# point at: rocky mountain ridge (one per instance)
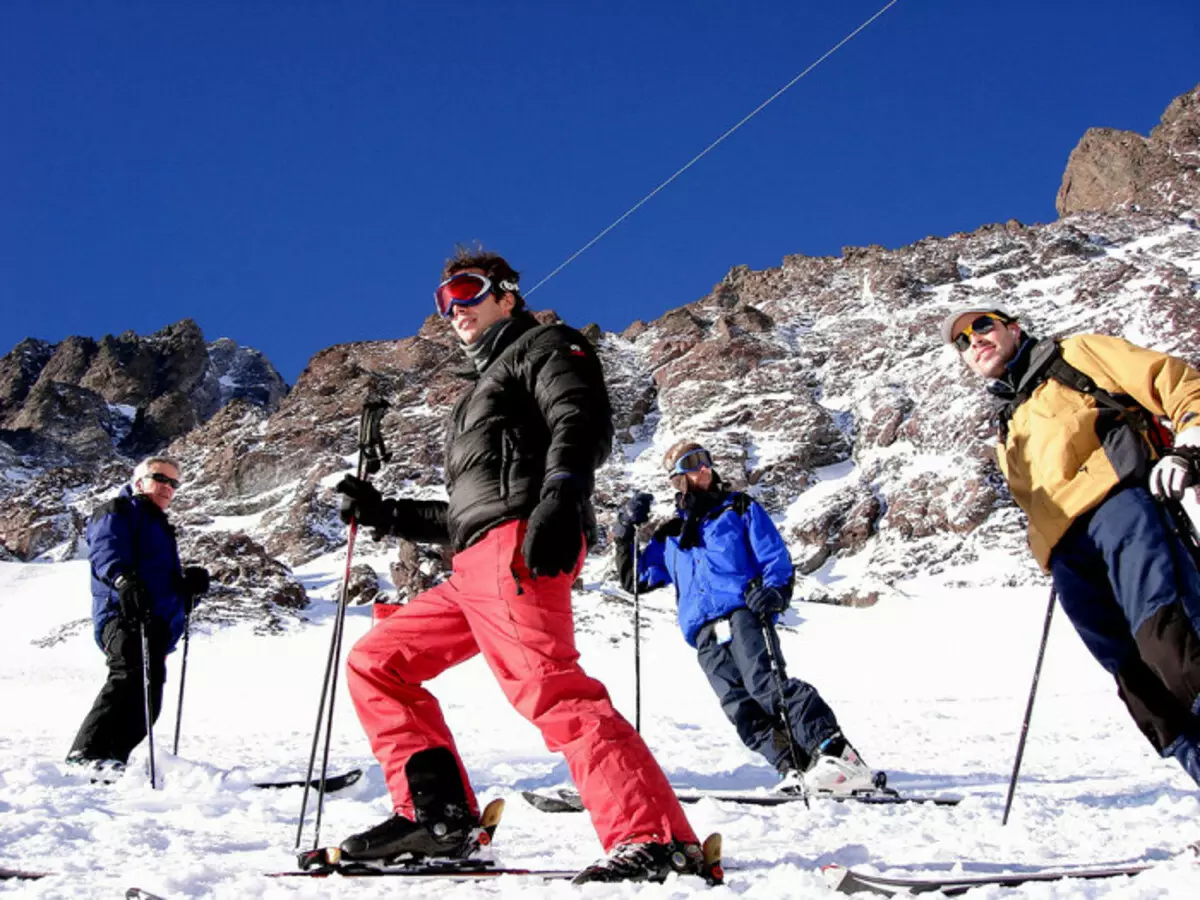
(821, 386)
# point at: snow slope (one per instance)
(930, 685)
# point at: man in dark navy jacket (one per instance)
(733, 577)
(137, 582)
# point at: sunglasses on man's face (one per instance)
(982, 325)
(164, 479)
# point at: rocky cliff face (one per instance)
(821, 386)
(1113, 169)
(75, 416)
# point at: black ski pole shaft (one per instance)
(637, 640)
(1037, 673)
(372, 454)
(312, 756)
(339, 629)
(146, 700)
(775, 655)
(187, 633)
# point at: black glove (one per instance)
(554, 535)
(134, 601)
(362, 503)
(633, 513)
(765, 601)
(196, 580)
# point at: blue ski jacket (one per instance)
(735, 543)
(130, 535)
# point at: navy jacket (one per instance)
(733, 543)
(130, 535)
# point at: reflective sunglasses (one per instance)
(163, 479)
(982, 325)
(465, 289)
(691, 462)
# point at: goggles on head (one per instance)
(981, 325)
(465, 289)
(691, 462)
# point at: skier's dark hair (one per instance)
(494, 265)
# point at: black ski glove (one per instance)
(765, 601)
(363, 503)
(133, 599)
(196, 581)
(633, 512)
(416, 520)
(554, 535)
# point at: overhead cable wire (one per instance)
(695, 159)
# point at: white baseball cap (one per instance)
(947, 327)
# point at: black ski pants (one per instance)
(117, 721)
(739, 670)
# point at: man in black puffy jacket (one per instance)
(522, 447)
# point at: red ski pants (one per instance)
(525, 629)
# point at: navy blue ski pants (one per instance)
(1132, 591)
(739, 670)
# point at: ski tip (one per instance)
(137, 893)
(714, 871)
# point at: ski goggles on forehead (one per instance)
(465, 289)
(692, 462)
(981, 325)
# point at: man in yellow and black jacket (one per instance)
(1085, 457)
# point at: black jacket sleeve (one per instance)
(570, 393)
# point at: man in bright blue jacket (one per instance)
(137, 583)
(733, 577)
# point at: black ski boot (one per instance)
(645, 862)
(442, 827)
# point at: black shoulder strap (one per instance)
(741, 502)
(120, 505)
(1142, 420)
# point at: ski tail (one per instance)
(712, 870)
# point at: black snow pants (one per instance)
(117, 721)
(739, 670)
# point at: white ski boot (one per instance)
(838, 769)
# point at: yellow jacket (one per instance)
(1057, 464)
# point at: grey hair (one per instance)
(142, 469)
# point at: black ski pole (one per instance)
(775, 655)
(1037, 672)
(187, 633)
(637, 639)
(372, 454)
(146, 700)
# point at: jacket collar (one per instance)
(493, 342)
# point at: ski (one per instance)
(333, 783)
(853, 881)
(566, 800)
(21, 875)
(137, 893)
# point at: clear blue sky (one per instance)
(292, 174)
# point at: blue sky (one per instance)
(292, 174)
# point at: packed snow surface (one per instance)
(930, 685)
